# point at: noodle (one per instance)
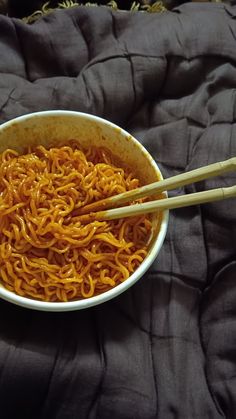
(45, 252)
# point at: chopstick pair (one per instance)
(104, 209)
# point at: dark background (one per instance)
(165, 349)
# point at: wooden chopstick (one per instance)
(174, 182)
(162, 204)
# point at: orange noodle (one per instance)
(45, 252)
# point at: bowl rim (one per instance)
(118, 289)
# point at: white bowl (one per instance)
(49, 127)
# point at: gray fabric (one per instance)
(166, 348)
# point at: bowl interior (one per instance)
(52, 127)
(49, 128)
